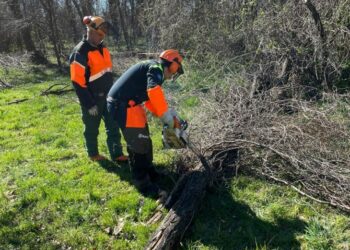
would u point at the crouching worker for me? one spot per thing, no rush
(141, 86)
(91, 75)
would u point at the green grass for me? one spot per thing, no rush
(249, 214)
(53, 197)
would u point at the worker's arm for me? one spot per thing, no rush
(78, 74)
(156, 103)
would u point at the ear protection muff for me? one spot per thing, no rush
(174, 67)
(87, 20)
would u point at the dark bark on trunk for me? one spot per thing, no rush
(53, 30)
(76, 36)
(322, 40)
(123, 26)
(87, 7)
(80, 13)
(183, 202)
(113, 13)
(26, 31)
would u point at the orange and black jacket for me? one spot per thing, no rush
(91, 72)
(142, 83)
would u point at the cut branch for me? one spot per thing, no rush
(60, 91)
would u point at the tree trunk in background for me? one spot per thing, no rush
(113, 16)
(49, 8)
(77, 6)
(133, 21)
(25, 33)
(72, 22)
(321, 46)
(87, 7)
(123, 24)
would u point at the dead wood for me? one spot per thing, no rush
(183, 203)
(301, 149)
(17, 101)
(50, 91)
(5, 84)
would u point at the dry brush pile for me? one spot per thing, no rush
(299, 143)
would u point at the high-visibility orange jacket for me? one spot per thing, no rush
(91, 72)
(142, 83)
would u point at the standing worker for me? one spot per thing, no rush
(91, 75)
(142, 84)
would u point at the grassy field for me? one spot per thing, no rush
(53, 197)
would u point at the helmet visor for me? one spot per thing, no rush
(180, 71)
(103, 28)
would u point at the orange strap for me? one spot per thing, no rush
(157, 100)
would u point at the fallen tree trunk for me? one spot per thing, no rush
(183, 203)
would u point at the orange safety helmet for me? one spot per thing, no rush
(174, 57)
(97, 23)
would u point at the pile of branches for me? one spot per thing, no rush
(14, 60)
(303, 144)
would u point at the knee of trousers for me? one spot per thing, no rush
(140, 145)
(91, 133)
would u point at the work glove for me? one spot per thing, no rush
(170, 118)
(93, 111)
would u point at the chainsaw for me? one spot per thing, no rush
(175, 138)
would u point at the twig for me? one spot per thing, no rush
(17, 101)
(57, 91)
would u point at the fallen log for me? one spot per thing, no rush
(183, 203)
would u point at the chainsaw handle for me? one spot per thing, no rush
(177, 123)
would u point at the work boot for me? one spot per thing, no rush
(151, 190)
(122, 159)
(153, 174)
(98, 157)
(155, 192)
(146, 187)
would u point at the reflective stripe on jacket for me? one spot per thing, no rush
(142, 83)
(91, 72)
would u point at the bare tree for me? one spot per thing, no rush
(25, 25)
(79, 9)
(121, 7)
(49, 7)
(72, 21)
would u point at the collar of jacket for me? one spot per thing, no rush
(94, 46)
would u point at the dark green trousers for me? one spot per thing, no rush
(140, 150)
(139, 146)
(91, 130)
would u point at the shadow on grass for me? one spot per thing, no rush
(224, 223)
(165, 182)
(121, 169)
